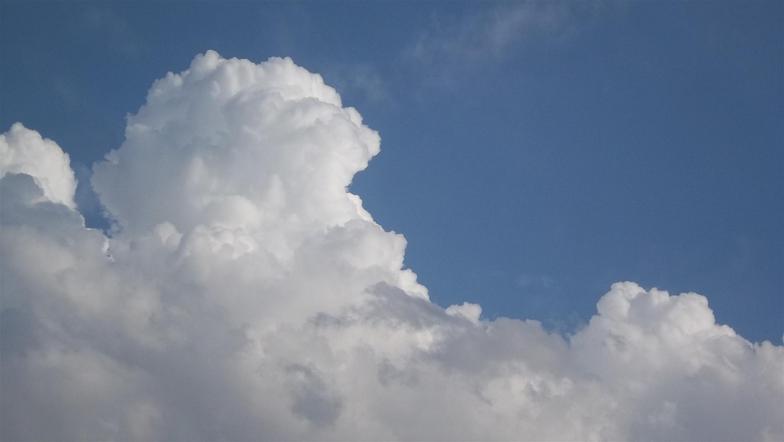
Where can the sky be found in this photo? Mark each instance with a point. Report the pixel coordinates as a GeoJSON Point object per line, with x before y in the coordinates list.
{"type": "Point", "coordinates": [178, 237]}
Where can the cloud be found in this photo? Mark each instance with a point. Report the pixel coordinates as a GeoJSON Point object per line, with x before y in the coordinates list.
{"type": "Point", "coordinates": [538, 283]}
{"type": "Point", "coordinates": [360, 80]}
{"type": "Point", "coordinates": [24, 151]}
{"type": "Point", "coordinates": [490, 33]}
{"type": "Point", "coordinates": [245, 294]}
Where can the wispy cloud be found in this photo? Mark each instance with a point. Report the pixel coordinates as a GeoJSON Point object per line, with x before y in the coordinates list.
{"type": "Point", "coordinates": [361, 80]}
{"type": "Point", "coordinates": [494, 33]}
{"type": "Point", "coordinates": [114, 29]}
{"type": "Point", "coordinates": [536, 282]}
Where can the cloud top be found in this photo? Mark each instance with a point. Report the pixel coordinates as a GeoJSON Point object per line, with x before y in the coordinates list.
{"type": "Point", "coordinates": [238, 144]}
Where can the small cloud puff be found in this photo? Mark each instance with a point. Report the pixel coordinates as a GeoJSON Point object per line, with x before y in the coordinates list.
{"type": "Point", "coordinates": [24, 151]}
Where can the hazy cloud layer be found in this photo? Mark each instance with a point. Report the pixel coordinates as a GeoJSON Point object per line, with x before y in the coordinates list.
{"type": "Point", "coordinates": [244, 294]}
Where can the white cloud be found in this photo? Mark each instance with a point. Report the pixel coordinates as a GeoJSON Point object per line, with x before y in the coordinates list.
{"type": "Point", "coordinates": [244, 294]}
{"type": "Point", "coordinates": [24, 151]}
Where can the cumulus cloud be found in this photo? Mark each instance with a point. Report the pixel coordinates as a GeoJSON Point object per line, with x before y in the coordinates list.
{"type": "Point", "coordinates": [243, 294]}
{"type": "Point", "coordinates": [24, 151]}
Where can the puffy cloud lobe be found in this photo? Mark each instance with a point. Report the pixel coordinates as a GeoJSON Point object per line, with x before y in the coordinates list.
{"type": "Point", "coordinates": [245, 294]}
{"type": "Point", "coordinates": [24, 151]}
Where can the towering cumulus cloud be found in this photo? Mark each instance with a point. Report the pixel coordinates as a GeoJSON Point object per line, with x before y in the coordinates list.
{"type": "Point", "coordinates": [245, 294]}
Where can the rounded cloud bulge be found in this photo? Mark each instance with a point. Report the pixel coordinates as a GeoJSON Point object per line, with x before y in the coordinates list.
{"type": "Point", "coordinates": [243, 293]}
{"type": "Point", "coordinates": [24, 151]}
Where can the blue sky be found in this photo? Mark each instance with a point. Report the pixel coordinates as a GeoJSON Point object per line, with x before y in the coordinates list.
{"type": "Point", "coordinates": [532, 154]}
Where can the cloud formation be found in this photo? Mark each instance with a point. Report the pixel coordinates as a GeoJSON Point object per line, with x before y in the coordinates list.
{"type": "Point", "coordinates": [491, 33]}
{"type": "Point", "coordinates": [245, 294]}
